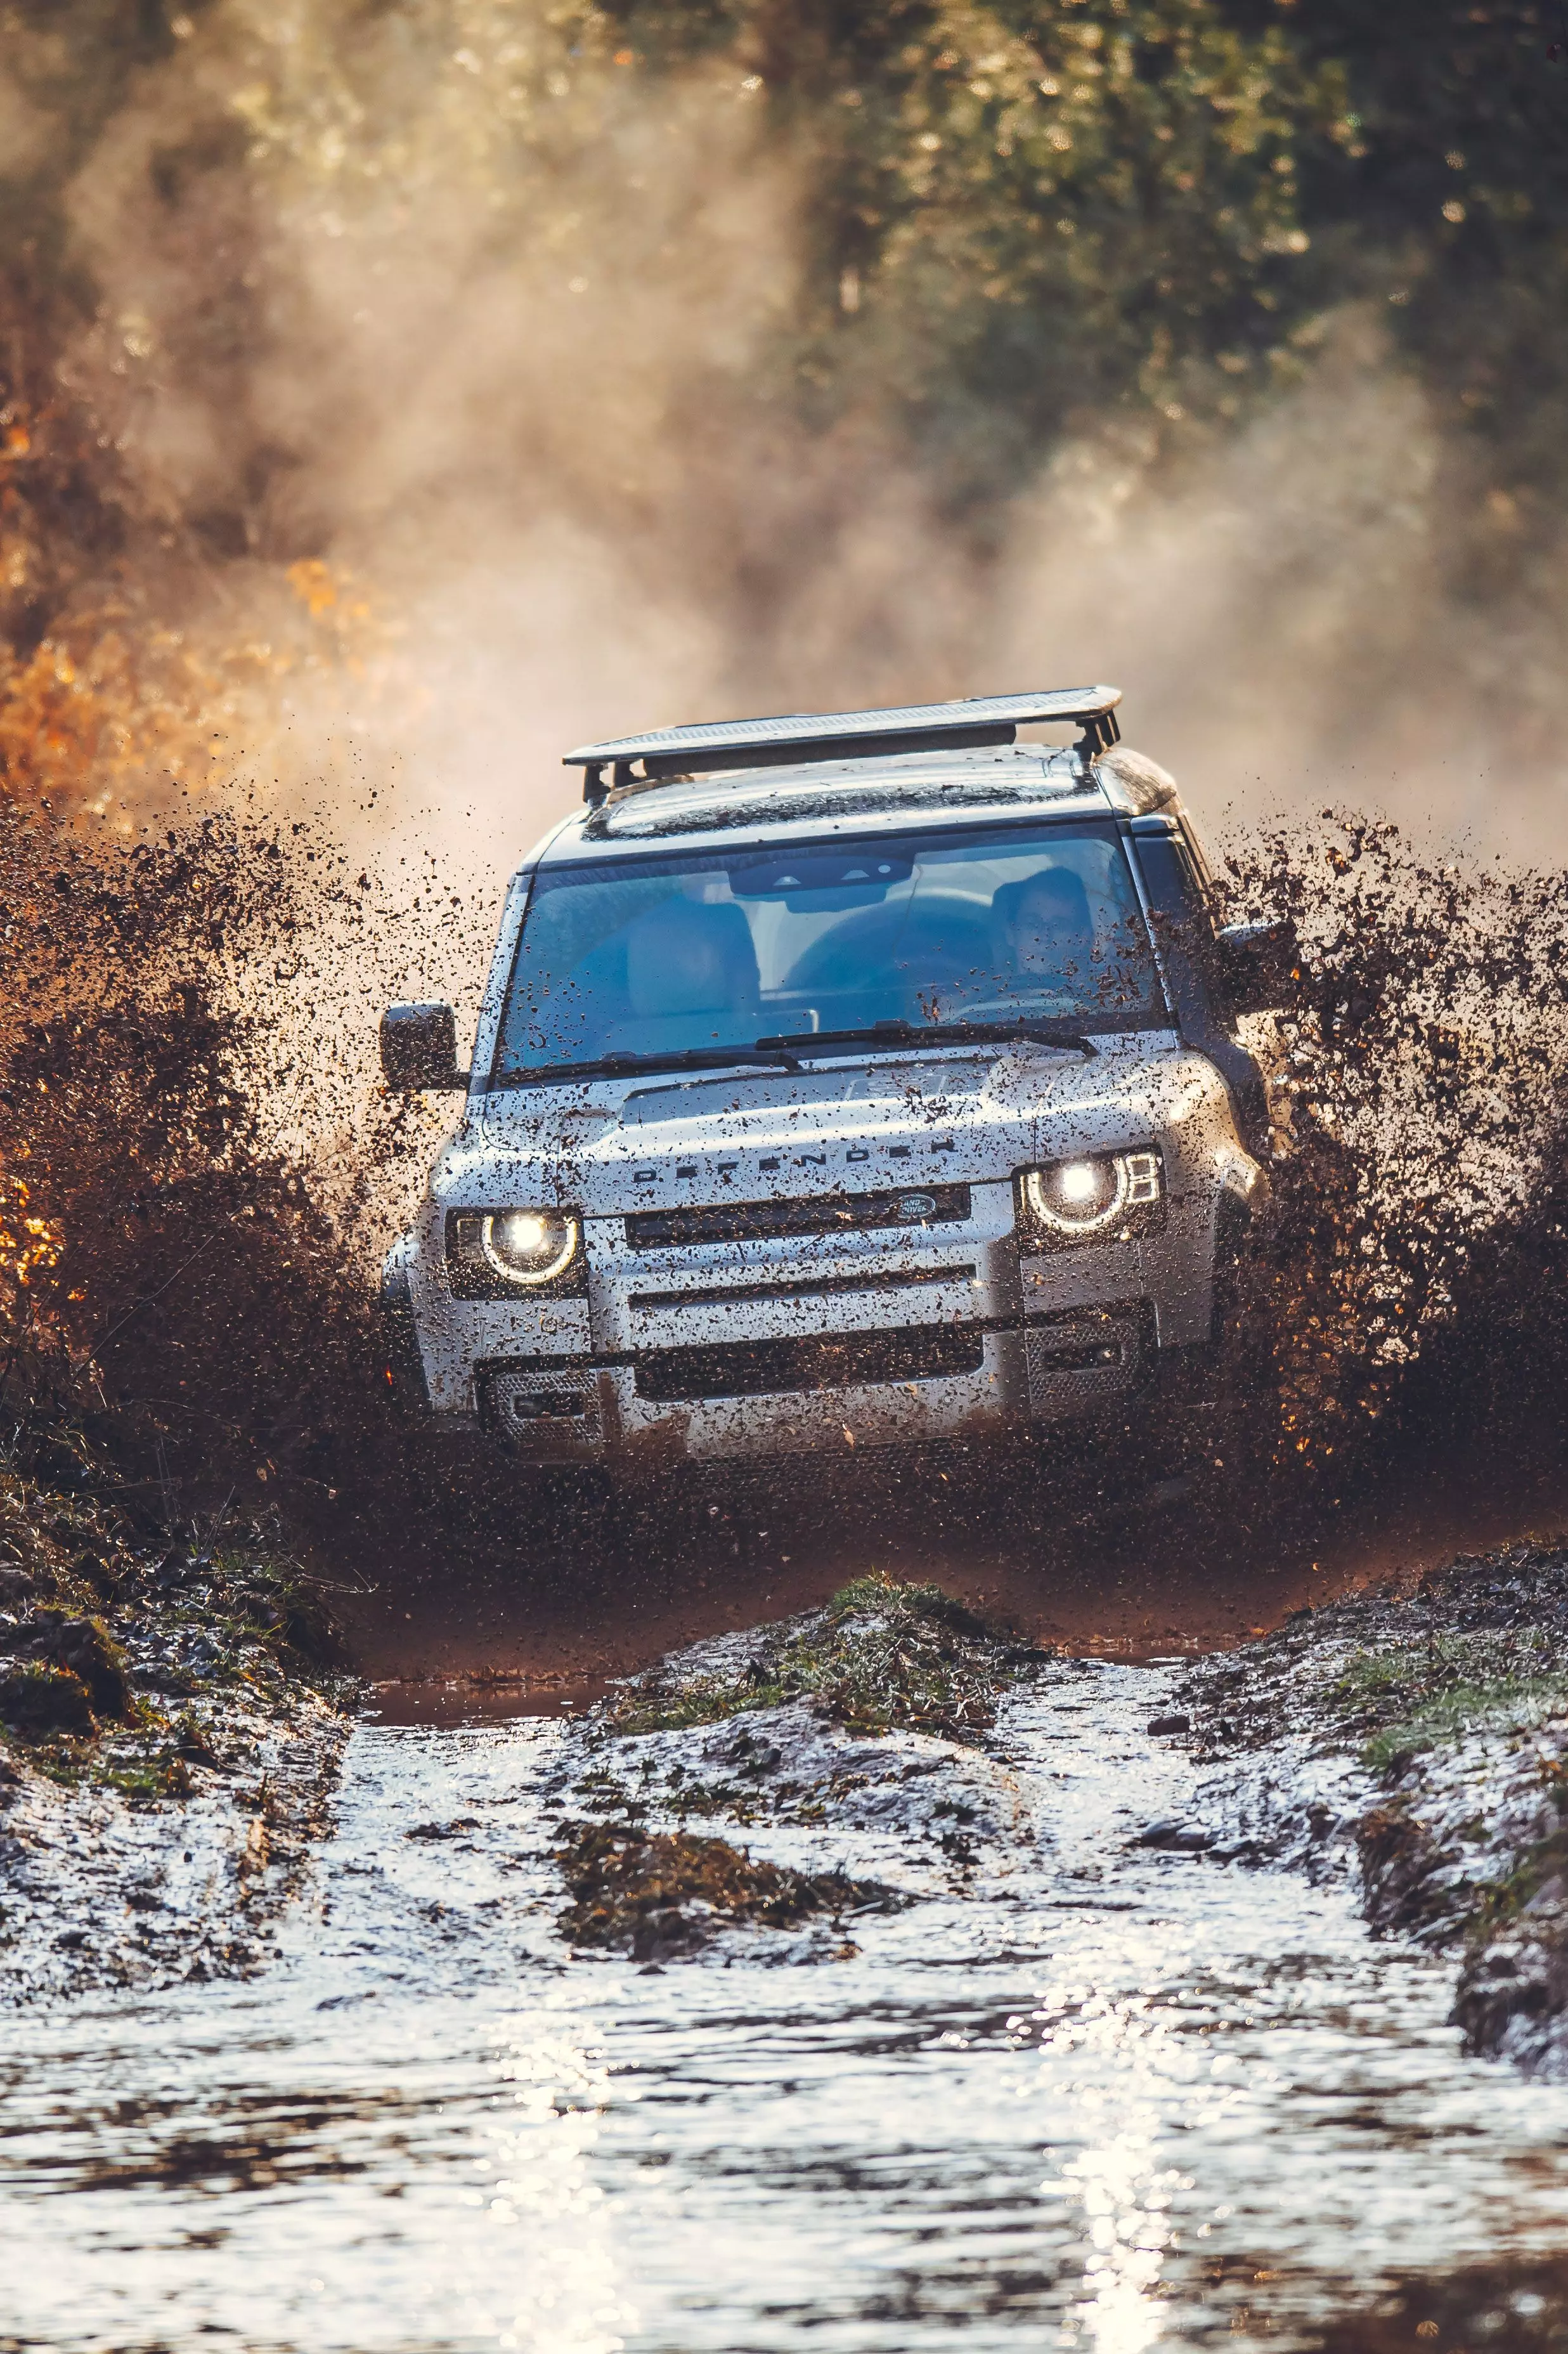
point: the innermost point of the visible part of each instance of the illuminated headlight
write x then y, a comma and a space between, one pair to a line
493, 1254
1103, 1194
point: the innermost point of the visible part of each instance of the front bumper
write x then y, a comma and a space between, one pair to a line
991, 1383
718, 1352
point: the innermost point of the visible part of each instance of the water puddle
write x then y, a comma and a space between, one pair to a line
1093, 2093
452, 1700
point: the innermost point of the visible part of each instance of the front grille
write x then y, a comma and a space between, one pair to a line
918, 1278
829, 1361
829, 1214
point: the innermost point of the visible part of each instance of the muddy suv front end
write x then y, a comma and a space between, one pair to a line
993, 1205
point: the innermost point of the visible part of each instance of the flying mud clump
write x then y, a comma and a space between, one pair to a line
189, 1160
1403, 1299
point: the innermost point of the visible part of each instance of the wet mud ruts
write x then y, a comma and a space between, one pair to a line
1079, 2075
171, 1722
1418, 1736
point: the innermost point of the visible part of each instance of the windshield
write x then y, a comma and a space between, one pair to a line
687, 955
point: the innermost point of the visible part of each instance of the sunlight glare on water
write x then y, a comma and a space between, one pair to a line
1094, 2094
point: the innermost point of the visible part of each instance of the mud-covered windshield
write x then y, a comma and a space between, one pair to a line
696, 952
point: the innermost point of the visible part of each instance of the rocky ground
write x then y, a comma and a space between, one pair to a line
170, 1727
1418, 1738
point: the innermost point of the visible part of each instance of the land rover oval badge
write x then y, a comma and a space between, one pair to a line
916, 1206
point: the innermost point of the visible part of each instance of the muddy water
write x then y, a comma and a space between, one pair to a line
1092, 2093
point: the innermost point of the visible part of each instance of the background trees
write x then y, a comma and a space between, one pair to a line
734, 261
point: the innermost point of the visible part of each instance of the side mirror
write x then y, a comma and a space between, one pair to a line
418, 1049
1259, 966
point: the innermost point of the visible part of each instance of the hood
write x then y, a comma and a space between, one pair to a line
842, 1127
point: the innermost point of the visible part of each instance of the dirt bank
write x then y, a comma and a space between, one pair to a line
170, 1729
172, 1715
1416, 1736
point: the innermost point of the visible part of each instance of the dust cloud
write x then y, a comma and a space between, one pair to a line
449, 360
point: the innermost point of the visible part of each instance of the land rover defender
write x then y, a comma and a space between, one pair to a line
865, 1080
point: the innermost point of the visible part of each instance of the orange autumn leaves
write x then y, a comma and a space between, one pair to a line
27, 1243
117, 710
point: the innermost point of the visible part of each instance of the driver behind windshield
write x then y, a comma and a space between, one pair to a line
1052, 934
691, 976
681, 953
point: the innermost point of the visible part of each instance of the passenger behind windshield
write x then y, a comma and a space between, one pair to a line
682, 953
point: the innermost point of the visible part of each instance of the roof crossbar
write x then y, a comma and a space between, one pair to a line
968, 726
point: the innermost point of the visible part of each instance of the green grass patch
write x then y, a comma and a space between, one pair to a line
1416, 1697
880, 1655
1506, 1705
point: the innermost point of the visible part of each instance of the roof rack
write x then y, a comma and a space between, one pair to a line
983, 719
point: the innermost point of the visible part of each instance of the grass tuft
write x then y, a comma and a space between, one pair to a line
880, 1655
1413, 1698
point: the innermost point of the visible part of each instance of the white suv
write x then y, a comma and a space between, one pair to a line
864, 1079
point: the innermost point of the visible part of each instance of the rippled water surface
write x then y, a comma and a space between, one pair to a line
1107, 2094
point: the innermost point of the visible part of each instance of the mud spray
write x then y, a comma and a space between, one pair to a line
199, 1172
394, 397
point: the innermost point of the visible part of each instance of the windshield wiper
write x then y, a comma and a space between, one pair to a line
1039, 1033
934, 1033
682, 1059
782, 1054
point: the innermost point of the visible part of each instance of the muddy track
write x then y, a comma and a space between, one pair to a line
1043, 2037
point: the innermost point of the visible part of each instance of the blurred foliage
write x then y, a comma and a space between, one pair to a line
1018, 221
1037, 210
1022, 215
1451, 205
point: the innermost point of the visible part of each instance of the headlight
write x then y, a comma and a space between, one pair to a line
495, 1254
1096, 1196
